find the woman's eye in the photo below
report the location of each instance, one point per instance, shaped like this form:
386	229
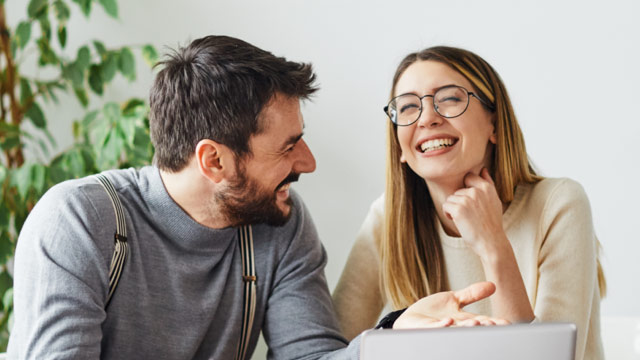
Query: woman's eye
408	107
450	99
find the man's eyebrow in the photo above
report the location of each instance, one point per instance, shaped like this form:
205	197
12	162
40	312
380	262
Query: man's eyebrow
292	140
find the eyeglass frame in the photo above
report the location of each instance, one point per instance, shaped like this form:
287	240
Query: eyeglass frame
435	107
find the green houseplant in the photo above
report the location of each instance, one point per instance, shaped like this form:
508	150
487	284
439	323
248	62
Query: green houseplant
113	136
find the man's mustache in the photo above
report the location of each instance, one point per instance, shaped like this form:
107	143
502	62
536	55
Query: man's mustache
293	177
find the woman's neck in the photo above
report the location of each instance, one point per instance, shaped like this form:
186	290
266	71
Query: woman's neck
439	192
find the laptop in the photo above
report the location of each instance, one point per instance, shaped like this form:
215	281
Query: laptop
548	341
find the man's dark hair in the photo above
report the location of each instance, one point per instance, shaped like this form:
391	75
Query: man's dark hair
215	88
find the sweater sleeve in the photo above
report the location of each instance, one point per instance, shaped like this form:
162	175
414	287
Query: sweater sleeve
567	283
60	280
358	297
300	321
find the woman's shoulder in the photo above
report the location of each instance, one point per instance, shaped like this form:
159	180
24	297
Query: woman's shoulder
558	191
547	197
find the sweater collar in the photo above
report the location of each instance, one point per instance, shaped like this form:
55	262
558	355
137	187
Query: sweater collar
173	221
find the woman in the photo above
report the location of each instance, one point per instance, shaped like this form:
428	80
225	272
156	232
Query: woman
462	204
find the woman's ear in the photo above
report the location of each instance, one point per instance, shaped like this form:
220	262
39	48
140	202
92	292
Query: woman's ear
492	138
214	160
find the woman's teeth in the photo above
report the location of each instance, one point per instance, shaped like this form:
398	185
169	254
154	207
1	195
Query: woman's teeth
436	144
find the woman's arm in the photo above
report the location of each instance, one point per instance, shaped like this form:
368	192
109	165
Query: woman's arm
477	211
567	282
358	298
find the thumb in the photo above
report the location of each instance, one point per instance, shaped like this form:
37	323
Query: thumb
474	292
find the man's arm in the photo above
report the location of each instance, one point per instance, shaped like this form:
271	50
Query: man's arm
60	278
300	321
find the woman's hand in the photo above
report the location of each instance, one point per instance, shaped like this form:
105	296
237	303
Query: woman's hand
445	309
477	213
476	210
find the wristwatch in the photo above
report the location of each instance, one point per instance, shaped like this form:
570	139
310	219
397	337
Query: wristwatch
388	320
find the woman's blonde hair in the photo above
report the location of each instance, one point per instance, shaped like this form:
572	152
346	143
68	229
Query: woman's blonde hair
412	259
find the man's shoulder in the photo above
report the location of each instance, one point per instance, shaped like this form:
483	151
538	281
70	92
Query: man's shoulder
80	191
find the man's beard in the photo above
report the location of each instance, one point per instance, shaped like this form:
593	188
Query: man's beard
244	202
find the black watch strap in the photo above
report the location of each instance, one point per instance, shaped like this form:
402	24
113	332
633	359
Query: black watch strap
388	320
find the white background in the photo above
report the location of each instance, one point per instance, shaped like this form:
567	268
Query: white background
571	68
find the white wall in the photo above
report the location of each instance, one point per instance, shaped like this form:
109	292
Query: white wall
571	68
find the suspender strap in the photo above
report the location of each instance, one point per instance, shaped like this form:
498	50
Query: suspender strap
249	279
121	247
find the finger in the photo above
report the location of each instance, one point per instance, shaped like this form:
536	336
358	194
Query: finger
451	210
468	322
473	180
465	192
474	292
486	322
446	322
460	199
501	321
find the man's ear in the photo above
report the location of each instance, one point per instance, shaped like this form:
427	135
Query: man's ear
215	161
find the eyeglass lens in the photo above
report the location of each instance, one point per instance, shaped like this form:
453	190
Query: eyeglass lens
448	102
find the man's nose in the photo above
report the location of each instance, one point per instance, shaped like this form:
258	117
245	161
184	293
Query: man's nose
305	162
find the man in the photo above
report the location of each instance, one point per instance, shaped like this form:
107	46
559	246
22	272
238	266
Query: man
227	129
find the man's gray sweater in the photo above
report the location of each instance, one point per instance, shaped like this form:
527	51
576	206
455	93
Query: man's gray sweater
180	295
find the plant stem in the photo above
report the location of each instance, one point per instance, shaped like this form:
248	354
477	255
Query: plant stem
14	156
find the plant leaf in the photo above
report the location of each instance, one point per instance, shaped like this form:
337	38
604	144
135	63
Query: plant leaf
47	56
36	115
149	55
82	96
62	36
109	67
7	299
111	112
95	79
14	47
100	47
127	63
6	282
89	118
45	26
111	7
23	33
85	5
5	215
3	175
9	142
38	174
62	12
129	108
49	136
21	179
25	91
36	7
83	58
73	73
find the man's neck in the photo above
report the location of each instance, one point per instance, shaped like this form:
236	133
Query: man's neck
195	195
